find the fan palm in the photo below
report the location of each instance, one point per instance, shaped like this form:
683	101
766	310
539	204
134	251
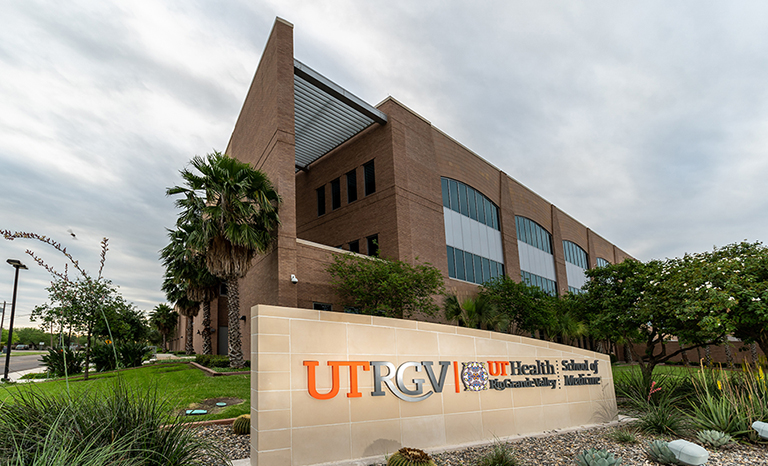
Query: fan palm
189	269
477	312
233	208
176	292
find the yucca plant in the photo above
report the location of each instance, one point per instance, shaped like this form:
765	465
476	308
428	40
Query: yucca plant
501	455
623	435
663	419
595	457
658	451
410	457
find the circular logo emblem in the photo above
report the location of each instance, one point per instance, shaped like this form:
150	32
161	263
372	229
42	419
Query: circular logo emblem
474	376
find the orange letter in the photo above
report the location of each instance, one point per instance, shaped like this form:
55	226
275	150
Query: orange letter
353	365
312	387
456	375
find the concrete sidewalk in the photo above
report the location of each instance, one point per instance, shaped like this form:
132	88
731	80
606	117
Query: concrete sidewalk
16	376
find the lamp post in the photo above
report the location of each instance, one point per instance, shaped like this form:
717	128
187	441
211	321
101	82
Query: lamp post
15	263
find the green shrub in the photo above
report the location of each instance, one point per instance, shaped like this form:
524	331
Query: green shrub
133	425
54	362
623	435
103	356
212	360
133	354
499	456
663	419
594	457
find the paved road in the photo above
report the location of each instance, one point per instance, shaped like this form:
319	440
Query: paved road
20	361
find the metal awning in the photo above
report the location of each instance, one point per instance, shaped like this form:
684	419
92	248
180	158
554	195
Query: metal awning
326	115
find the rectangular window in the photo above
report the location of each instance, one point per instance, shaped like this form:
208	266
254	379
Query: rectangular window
470	269
454	187
478	262
486	268
321	201
351	186
495	218
354	246
460	265
494	269
446	195
373	245
451	265
322	307
501	269
480	208
335	194
471	193
463	200
488	214
370	178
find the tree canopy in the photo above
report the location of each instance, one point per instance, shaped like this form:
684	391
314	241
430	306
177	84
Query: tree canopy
391	288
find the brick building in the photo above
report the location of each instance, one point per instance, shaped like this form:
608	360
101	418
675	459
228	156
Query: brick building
353	176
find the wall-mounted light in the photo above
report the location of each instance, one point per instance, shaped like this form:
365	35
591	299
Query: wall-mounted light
211	330
242	318
294	280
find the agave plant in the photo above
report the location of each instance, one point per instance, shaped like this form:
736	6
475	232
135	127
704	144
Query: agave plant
714	438
595	457
658	450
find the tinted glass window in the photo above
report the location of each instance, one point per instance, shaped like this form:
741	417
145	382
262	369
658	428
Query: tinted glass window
469	267
335	194
373	245
471	199
446	194
354	246
370	178
321	201
479	277
451	264
460	266
352	186
454	186
463	207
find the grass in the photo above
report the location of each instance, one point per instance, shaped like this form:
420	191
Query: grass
179	383
25	353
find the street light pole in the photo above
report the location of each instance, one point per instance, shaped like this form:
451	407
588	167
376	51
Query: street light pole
2	319
15	263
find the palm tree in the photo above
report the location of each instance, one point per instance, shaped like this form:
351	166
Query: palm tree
176	292
189	269
233	208
165	320
477	312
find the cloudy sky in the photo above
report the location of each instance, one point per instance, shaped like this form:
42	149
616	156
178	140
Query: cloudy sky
646	121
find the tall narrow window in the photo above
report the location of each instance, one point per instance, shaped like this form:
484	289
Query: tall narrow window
321	201
354	246
351	186
373	245
370	178
335	194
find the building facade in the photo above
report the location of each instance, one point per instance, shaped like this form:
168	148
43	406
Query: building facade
360	178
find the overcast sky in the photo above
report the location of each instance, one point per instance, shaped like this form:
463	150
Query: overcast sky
646	121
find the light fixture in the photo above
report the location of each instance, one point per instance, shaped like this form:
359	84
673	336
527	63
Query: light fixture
294	280
16	264
242	318
688	452
761	428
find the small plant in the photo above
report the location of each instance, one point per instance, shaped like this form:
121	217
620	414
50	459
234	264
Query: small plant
659	452
500	456
410	457
714	438
133	354
54	362
662	419
623	435
242	424
595	457
212	360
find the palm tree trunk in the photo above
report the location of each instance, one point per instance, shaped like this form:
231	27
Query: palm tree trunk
753	353
728	354
189	346
235	344
207	348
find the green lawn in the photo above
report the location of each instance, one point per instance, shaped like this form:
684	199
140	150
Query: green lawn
25	353
662	369
179	384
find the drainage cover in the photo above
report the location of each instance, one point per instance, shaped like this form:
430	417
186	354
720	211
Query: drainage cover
195	412
221	403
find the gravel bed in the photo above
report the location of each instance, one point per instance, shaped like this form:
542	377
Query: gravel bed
556	449
236	447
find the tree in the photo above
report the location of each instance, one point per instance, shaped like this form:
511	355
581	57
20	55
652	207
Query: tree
386	287
731	283
164	319
125	322
30	336
644	303
477	312
232	209
525	308
176	292
186	269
